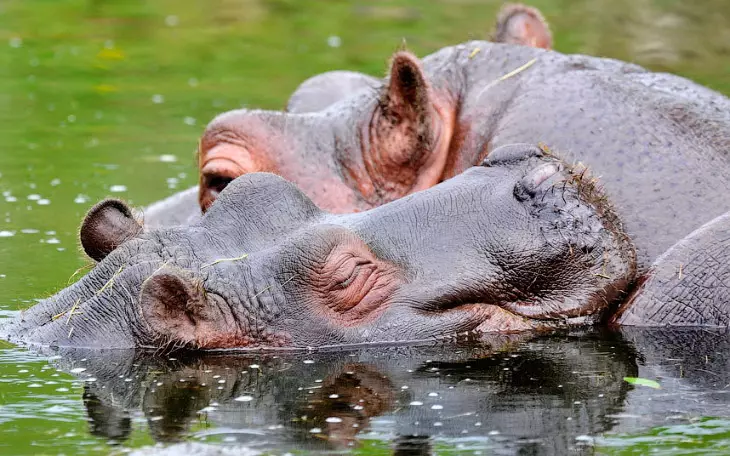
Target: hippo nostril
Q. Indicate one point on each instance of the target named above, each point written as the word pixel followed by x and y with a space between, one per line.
pixel 527 187
pixel 512 153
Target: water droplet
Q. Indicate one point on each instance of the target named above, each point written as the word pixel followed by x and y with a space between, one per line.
pixel 172 20
pixel 62 390
pixel 253 366
pixel 29 231
pixel 44 202
pixel 192 82
pixel 358 407
pixel 189 120
pixel 437 407
pixel 11 199
pixel 416 403
pixel 315 430
pixel 334 396
pixel 118 188
pixel 77 370
pixel 168 158
pixel 157 99
pixel 81 199
pixel 223 380
pixel 438 423
pixel 7 234
pixel 333 419
pixel 334 41
pixel 243 399
pixel 308 361
pixel 433 394
pixel 71 118
pixel 53 241
pixel 55 182
pixel 15 42
pixel 23 371
pixel 404 387
pixel 34 197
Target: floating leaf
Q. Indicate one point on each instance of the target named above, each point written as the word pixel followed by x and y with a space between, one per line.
pixel 105 88
pixel 642 382
pixel 110 54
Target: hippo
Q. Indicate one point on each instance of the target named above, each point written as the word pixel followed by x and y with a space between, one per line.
pixel 515 24
pixel 523 242
pixel 660 143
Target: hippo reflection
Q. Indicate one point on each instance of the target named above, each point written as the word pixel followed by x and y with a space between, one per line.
pixel 523 242
pixel 538 394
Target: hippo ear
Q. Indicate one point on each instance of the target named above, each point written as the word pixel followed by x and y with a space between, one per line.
pixel 404 126
pixel 520 24
pixel 172 304
pixel 107 225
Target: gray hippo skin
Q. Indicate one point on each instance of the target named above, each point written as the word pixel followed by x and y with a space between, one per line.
pixel 522 243
pixel 689 285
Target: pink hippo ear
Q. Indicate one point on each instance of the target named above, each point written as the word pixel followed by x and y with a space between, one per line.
pixel 406 132
pixel 176 307
pixel 172 305
pixel 107 225
pixel 523 25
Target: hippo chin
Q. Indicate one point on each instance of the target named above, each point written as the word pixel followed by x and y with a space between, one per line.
pixel 522 242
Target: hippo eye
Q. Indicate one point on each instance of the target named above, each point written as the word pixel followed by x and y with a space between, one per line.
pixel 351 270
pixel 217 182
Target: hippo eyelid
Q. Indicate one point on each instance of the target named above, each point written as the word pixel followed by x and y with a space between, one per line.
pixel 346 283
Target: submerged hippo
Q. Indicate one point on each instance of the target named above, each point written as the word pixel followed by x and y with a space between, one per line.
pixel 522 242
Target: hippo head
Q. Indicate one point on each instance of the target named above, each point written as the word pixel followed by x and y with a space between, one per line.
pixel 352 142
pixel 522 242
pixel 387 140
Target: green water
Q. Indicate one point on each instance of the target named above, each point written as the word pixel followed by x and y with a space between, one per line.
pixel 107 98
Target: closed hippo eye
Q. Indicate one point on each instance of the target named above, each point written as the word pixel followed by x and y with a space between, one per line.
pixel 351 284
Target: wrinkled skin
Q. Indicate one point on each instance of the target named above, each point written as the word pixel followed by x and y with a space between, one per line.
pixel 689 285
pixel 520 243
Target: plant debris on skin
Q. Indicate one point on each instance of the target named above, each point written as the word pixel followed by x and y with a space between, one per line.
pixel 110 282
pixel 242 257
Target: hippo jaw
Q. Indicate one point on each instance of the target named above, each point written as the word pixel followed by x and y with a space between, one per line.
pixel 520 243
